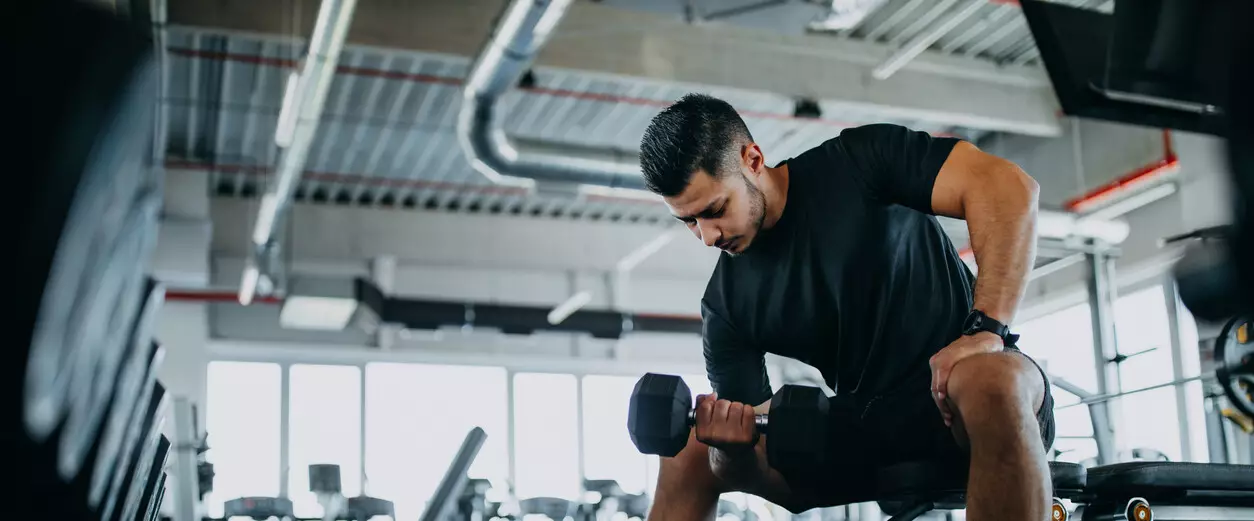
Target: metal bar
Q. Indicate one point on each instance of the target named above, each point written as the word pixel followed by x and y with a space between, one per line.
pixel 285 426
pixel 1177 369
pixel 579 434
pixel 977 28
pixel 997 35
pixel 1056 266
pixel 361 423
pixel 925 40
pixel 919 24
pixel 510 448
pixel 161 119
pixel 896 18
pixel 739 10
pixel 1101 299
pixel 1102 398
pixel 185 459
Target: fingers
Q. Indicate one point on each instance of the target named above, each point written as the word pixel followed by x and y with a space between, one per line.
pixel 940 383
pixel 724 423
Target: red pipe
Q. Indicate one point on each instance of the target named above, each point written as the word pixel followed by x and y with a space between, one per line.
pixel 449 80
pixel 1140 176
pixel 214 296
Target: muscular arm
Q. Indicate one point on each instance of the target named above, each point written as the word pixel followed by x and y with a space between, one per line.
pixel 998 201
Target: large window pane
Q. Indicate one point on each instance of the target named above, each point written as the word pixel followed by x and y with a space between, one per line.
pixel 1062 342
pixel 1149 419
pixel 416 419
pixel 242 421
pixel 608 451
pixel 325 427
pixel 545 436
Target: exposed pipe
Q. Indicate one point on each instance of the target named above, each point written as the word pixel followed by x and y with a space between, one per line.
pixel 513 45
pixel 924 40
pixel 299 125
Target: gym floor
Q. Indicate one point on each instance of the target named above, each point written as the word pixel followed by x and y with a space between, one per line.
pixel 374 262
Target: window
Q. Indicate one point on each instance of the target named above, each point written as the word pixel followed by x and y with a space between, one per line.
pixel 545 436
pixel 1148 419
pixel 1190 354
pixel 324 422
pixel 1062 342
pixel 608 451
pixel 416 419
pixel 242 422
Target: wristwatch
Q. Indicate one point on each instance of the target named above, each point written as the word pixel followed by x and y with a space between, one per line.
pixel 978 322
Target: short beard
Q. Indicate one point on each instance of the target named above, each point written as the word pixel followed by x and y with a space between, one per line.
pixel 757 210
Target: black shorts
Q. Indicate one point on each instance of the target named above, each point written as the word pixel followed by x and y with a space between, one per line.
pixel 903 425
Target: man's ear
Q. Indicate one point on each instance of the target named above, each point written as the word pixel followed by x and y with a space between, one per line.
pixel 752 157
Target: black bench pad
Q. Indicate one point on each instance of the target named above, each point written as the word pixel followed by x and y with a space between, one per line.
pixel 1173 475
pixel 933 477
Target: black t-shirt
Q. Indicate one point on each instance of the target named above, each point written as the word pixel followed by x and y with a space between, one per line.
pixel 857 278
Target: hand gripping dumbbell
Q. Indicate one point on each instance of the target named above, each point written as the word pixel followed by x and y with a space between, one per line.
pixel 661 416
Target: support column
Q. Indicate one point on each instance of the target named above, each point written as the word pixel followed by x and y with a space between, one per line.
pixel 1101 289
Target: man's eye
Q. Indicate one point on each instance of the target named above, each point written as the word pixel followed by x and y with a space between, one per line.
pixel 718 213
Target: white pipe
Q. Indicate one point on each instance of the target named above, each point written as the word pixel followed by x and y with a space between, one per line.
pixel 303 104
pixel 572 304
pixel 924 40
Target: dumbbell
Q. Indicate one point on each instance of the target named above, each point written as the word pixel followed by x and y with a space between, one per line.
pixel 661 416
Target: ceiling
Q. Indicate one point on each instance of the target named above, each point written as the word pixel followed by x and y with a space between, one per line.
pixel 387 133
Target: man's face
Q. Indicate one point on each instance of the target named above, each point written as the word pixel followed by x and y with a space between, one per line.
pixel 725 213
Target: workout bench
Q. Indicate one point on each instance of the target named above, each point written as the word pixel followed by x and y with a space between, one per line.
pixel 1136 491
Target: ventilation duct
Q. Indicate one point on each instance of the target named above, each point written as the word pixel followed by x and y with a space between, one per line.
pixel 520 33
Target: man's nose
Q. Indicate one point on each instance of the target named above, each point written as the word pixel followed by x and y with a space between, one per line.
pixel 709 233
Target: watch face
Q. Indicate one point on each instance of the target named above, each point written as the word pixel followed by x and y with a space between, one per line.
pixel 973 323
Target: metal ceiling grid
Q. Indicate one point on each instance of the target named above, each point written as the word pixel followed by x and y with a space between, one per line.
pixel 387 135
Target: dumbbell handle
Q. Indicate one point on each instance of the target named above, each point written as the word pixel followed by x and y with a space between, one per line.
pixel 759 420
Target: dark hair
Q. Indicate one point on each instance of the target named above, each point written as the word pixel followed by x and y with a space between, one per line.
pixel 696 132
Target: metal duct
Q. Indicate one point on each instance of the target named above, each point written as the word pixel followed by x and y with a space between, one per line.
pixel 518 36
pixel 298 123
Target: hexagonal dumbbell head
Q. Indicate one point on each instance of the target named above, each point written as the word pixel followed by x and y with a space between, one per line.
pixel 797 438
pixel 657 418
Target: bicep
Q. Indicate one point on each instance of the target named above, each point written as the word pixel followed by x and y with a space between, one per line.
pixel 967 170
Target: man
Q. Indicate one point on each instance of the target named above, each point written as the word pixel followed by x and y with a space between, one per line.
pixel 835 258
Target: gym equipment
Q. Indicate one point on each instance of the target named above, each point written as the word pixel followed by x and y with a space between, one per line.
pixel 88 214
pixel 150 497
pixel 1234 361
pixel 660 417
pixel 136 372
pixel 613 501
pixel 440 508
pixel 141 466
pixel 324 482
pixel 258 508
pixel 135 429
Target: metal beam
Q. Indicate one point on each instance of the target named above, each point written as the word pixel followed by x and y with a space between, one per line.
pixel 598 39
pixel 1101 288
pixel 924 40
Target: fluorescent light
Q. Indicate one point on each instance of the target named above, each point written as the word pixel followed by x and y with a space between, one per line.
pixel 572 304
pixel 633 259
pixel 248 284
pixel 321 313
pixel 285 131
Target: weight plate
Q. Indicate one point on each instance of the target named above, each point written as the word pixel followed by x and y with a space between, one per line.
pixel 1234 361
pixel 134 432
pixel 131 378
pixel 109 322
pixel 148 499
pixel 85 286
pixel 141 464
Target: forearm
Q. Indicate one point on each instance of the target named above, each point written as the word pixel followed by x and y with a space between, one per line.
pixel 1002 222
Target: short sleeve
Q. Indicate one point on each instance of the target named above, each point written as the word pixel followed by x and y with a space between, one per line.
pixel 737 371
pixel 894 164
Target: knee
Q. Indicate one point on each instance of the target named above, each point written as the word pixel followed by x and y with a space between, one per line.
pixel 996 380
